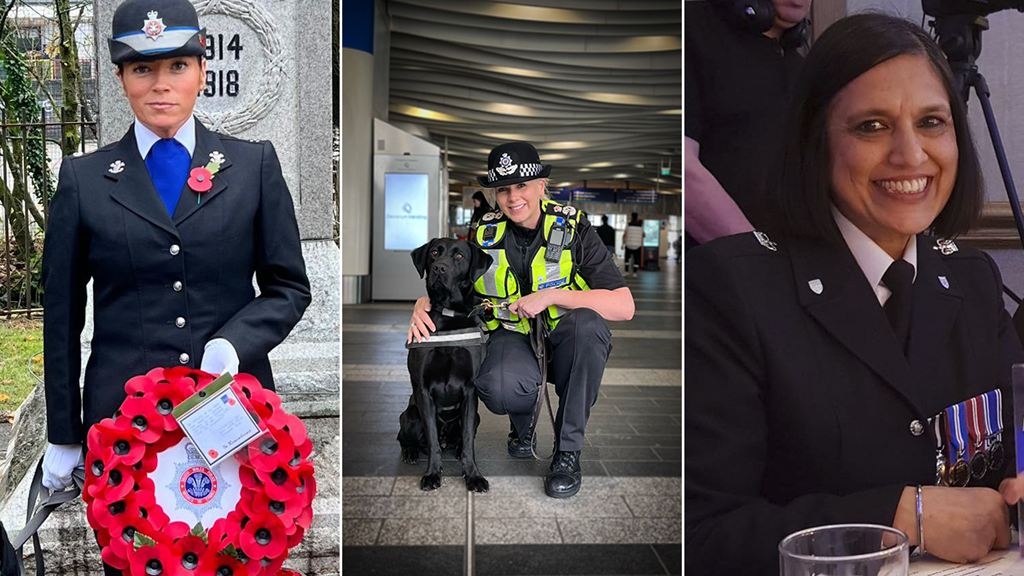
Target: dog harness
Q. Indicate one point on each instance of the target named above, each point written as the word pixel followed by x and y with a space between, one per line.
pixel 462 338
pixel 499 285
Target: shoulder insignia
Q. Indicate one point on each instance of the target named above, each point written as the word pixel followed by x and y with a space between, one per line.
pixel 568 210
pixel 488 217
pixel 763 239
pixel 945 247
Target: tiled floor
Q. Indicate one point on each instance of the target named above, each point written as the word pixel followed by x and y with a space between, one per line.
pixel 625 520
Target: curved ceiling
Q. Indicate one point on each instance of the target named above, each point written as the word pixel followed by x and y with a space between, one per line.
pixel 597 90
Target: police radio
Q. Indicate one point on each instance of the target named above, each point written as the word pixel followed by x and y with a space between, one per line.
pixel 556 241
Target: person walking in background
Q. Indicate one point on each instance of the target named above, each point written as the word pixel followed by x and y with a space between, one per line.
pixel 632 241
pixel 607 235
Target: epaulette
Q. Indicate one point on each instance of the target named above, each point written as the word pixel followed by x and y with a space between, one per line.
pixel 494 216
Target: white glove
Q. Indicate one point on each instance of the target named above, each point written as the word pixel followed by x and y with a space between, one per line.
pixel 219 357
pixel 58 463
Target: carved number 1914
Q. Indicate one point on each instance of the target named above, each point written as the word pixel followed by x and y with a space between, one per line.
pixel 222 82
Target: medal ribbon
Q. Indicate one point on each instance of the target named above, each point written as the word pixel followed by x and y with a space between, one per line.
pixel 973 428
pixel 992 403
pixel 957 423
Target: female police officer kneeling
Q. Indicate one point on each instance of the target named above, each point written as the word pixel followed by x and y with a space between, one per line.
pixel 171 256
pixel 575 291
pixel 817 376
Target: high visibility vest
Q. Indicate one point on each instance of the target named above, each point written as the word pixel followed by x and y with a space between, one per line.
pixel 500 285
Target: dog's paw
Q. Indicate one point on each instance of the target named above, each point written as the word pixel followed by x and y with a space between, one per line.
pixel 430 481
pixel 477 484
pixel 410 455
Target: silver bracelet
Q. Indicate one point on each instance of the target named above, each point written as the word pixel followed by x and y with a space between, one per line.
pixel 920 523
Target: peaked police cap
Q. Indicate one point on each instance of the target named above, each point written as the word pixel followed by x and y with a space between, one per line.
pixel 513 163
pixel 144 30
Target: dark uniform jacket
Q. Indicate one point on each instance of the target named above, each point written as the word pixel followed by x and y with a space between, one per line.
pixel 162 286
pixel 801 407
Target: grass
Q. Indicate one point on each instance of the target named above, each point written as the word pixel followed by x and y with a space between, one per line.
pixel 20 340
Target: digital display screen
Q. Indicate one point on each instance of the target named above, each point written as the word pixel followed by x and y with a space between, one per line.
pixel 406 197
pixel 652 232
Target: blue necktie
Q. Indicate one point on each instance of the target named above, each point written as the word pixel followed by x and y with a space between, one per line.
pixel 168 163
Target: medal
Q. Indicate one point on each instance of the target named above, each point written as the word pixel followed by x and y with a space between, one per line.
pixel 940 456
pixel 976 440
pixel 992 406
pixel 959 473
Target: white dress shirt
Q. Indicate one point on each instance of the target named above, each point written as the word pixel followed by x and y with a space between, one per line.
pixel 873 261
pixel 186 136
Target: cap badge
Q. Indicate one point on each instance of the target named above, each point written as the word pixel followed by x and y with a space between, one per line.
pixel 816 285
pixel 505 166
pixel 116 167
pixel 154 27
pixel 944 282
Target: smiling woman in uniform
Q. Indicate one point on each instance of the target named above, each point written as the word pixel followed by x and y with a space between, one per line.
pixel 170 223
pixel 829 366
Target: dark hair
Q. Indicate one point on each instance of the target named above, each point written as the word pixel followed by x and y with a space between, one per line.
pixel 847 49
pixel 633 217
pixel 604 219
pixel 483 208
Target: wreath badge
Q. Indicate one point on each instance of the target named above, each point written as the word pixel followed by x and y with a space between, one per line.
pixel 239 519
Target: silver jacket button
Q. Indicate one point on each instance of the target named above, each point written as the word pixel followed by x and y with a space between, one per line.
pixel 177 286
pixel 179 322
pixel 175 249
pixel 183 358
pixel 916 428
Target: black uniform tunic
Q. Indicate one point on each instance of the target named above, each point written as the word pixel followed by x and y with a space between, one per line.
pixel 162 286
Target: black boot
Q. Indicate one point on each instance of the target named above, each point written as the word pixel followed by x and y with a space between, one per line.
pixel 520 448
pixel 564 477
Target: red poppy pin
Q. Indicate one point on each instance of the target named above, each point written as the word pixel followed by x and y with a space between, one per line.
pixel 200 179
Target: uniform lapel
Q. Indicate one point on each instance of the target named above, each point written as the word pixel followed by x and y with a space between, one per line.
pixel 133 187
pixel 847 308
pixel 936 304
pixel 207 142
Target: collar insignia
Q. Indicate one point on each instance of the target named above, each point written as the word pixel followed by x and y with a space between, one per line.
pixel 944 282
pixel 945 247
pixel 116 167
pixel 816 285
pixel 765 241
pixel 154 27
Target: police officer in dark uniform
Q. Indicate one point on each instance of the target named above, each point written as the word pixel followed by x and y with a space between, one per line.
pixel 561 271
pixel 170 224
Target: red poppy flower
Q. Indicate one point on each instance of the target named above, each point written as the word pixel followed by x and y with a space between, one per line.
pixel 114 484
pixel 281 484
pixel 213 563
pixel 200 180
pixel 125 446
pixel 166 396
pixel 138 385
pixel 271 450
pixel 256 502
pixel 150 560
pixel 103 512
pixel 295 537
pixel 202 378
pixel 307 482
pixel 267 566
pixel 187 551
pixel 248 384
pixel 268 406
pixel 143 416
pixel 263 536
pixel 110 556
pixel 122 531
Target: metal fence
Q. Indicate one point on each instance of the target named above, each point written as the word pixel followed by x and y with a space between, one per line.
pixel 30 157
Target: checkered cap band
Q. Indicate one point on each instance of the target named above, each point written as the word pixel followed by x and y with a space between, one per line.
pixel 524 171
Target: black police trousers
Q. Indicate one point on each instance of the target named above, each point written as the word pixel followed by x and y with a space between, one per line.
pixel 509 377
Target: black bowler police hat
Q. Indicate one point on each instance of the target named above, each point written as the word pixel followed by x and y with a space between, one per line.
pixel 145 30
pixel 513 163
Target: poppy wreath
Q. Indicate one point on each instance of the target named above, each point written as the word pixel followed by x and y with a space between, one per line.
pixel 136 535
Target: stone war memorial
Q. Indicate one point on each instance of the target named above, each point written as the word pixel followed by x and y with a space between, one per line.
pixel 268 78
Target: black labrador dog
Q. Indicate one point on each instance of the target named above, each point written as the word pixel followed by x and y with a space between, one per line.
pixel 443 407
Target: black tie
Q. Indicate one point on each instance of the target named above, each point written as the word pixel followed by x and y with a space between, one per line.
pixel 899 278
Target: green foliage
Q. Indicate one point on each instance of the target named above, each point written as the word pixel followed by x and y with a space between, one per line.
pixel 229 551
pixel 143 540
pixel 21 102
pixel 21 344
pixel 200 532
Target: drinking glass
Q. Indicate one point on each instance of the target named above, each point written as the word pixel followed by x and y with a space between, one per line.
pixel 845 550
